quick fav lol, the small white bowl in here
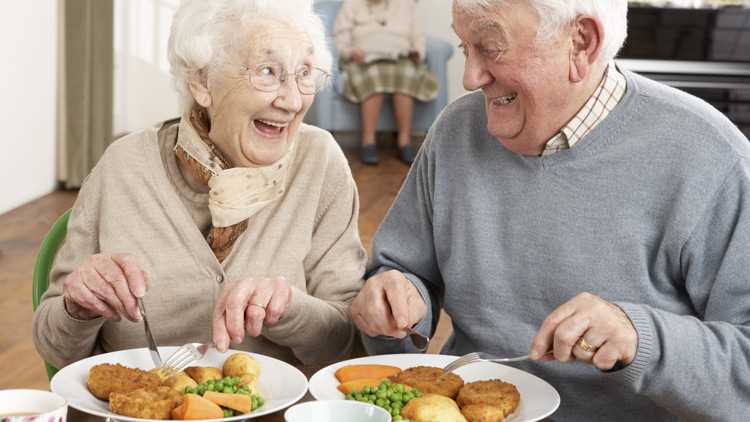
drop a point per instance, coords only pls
(336, 411)
(32, 405)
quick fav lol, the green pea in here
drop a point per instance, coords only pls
(399, 388)
(381, 394)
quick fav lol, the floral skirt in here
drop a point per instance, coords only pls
(391, 77)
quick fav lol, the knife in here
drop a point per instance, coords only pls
(149, 337)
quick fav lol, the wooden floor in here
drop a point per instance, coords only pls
(22, 230)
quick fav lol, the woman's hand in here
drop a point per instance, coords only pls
(589, 329)
(245, 305)
(105, 285)
(387, 305)
(414, 57)
(358, 56)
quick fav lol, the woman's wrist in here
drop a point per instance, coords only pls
(76, 311)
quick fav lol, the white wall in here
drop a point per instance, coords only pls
(143, 89)
(435, 17)
(28, 83)
(143, 93)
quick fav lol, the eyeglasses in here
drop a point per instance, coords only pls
(268, 77)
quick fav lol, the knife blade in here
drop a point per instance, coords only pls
(155, 356)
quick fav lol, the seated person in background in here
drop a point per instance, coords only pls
(568, 206)
(382, 50)
(236, 223)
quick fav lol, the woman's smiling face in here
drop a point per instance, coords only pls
(253, 127)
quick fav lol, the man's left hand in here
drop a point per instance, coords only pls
(589, 329)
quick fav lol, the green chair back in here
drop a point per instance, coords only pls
(43, 265)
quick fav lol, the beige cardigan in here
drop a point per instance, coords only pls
(136, 201)
(359, 25)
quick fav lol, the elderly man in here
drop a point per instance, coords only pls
(573, 207)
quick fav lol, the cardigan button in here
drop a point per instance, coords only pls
(219, 278)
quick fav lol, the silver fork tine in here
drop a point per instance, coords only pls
(463, 360)
(182, 358)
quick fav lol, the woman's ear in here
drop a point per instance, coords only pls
(198, 85)
(587, 36)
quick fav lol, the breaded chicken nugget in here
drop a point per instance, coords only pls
(106, 378)
(146, 403)
(496, 393)
(428, 379)
(483, 413)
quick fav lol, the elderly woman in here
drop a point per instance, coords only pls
(236, 223)
(382, 49)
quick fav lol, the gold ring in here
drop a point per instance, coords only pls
(260, 306)
(585, 345)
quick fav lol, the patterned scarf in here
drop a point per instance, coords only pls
(235, 194)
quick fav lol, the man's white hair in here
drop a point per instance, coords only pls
(555, 14)
(202, 32)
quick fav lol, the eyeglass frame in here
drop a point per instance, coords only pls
(251, 74)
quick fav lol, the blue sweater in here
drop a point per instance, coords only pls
(651, 211)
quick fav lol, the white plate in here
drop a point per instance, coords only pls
(538, 398)
(280, 384)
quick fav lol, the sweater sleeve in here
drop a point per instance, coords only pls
(342, 29)
(404, 243)
(417, 38)
(59, 338)
(698, 366)
(334, 269)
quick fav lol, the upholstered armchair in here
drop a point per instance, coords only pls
(333, 112)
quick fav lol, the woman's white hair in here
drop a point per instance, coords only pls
(202, 31)
(555, 14)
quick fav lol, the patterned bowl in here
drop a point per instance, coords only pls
(32, 406)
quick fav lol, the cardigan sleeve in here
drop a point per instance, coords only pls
(334, 270)
(59, 338)
(342, 29)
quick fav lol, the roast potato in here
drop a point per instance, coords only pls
(241, 364)
(180, 382)
(432, 408)
(201, 374)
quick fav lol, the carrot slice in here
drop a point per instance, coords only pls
(372, 371)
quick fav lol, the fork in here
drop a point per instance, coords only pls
(419, 340)
(183, 357)
(475, 357)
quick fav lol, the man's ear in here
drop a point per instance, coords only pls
(198, 85)
(586, 46)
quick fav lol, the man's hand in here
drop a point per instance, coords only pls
(589, 329)
(387, 305)
(246, 305)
